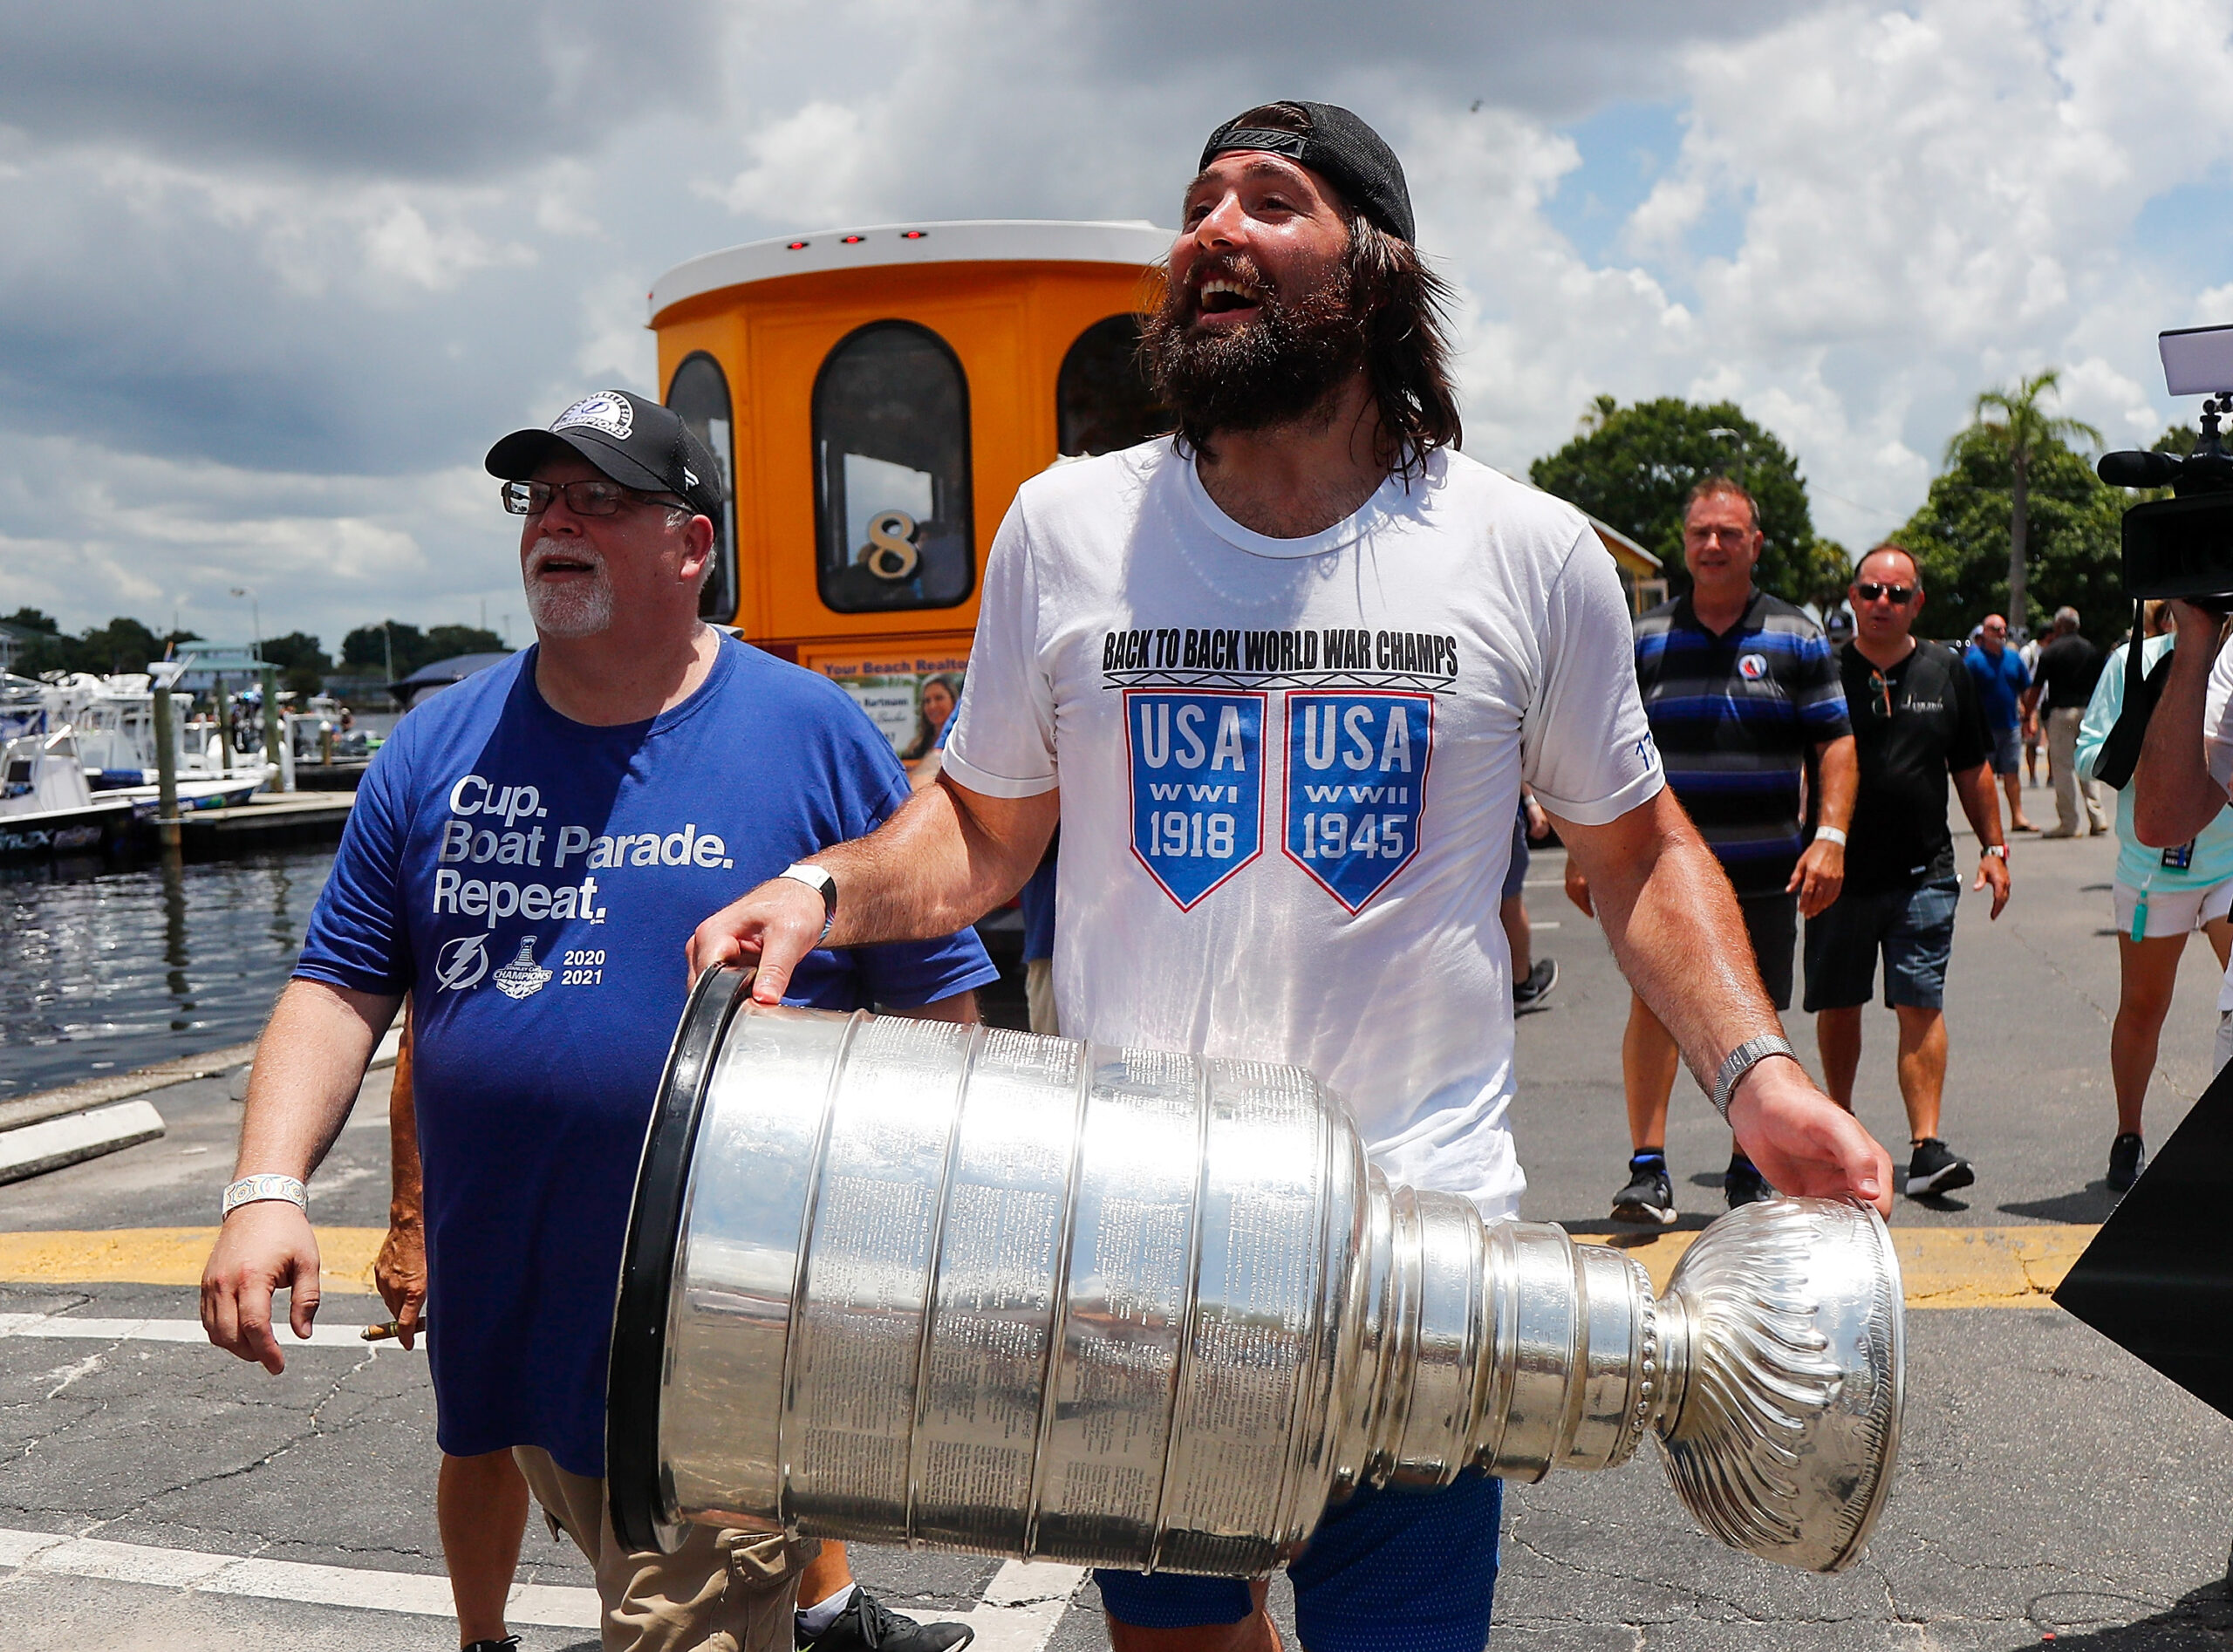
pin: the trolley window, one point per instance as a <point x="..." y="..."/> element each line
<point x="1103" y="402"/>
<point x="892" y="525"/>
<point x="699" y="392"/>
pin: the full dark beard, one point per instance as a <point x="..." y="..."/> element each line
<point x="1278" y="370"/>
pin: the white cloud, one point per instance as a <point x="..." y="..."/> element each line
<point x="260" y="318"/>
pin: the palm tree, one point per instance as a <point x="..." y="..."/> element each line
<point x="2023" y="429"/>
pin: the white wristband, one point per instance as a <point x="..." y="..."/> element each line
<point x="1829" y="834"/>
<point x="251" y="1189"/>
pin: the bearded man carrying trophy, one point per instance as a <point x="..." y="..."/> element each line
<point x="1280" y="680"/>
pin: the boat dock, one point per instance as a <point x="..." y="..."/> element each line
<point x="265" y="820"/>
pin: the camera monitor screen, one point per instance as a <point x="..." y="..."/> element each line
<point x="2197" y="361"/>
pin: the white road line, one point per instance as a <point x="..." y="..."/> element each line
<point x="1537" y="923"/>
<point x="33" y="1150"/>
<point x="182" y="1331"/>
<point x="541" y="1604"/>
<point x="1021" y="1605"/>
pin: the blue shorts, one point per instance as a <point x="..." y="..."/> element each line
<point x="2007" y="750"/>
<point x="1393" y="1568"/>
<point x="1515" y="875"/>
<point x="1913" y="927"/>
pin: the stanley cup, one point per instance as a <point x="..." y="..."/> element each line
<point x="908" y="1282"/>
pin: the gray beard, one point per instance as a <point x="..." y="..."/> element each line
<point x="569" y="611"/>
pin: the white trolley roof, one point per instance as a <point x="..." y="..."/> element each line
<point x="1131" y="241"/>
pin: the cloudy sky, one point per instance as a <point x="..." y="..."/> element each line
<point x="276" y="275"/>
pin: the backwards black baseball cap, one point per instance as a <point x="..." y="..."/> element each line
<point x="1338" y="146"/>
<point x="638" y="443"/>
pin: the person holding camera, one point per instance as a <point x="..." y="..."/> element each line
<point x="1915" y="721"/>
<point x="2162" y="896"/>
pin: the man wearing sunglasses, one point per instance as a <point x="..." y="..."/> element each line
<point x="1917" y="720"/>
<point x="527" y="857"/>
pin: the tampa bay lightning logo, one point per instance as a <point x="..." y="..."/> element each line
<point x="1197" y="786"/>
<point x="461" y="963"/>
<point x="1356" y="783"/>
<point x="607" y="410"/>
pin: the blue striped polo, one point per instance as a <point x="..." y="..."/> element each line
<point x="1734" y="716"/>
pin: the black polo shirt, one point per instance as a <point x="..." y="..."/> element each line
<point x="2068" y="668"/>
<point x="1913" y="726"/>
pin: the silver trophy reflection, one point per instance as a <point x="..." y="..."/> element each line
<point x="908" y="1282"/>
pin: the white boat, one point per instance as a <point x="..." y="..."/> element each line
<point x="46" y="805"/>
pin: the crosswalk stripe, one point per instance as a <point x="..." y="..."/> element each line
<point x="1020" y="1608"/>
<point x="94" y="1330"/>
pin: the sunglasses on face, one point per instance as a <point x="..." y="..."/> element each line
<point x="1899" y="595"/>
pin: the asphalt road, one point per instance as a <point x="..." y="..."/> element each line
<point x="2050" y="1486"/>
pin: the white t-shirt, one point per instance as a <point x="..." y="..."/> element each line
<point x="1289" y="769"/>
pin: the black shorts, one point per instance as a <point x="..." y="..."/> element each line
<point x="1772" y="924"/>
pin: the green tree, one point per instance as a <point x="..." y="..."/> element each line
<point x="303" y="663"/>
<point x="1633" y="467"/>
<point x="367" y="647"/>
<point x="2017" y="426"/>
<point x="1961" y="536"/>
<point x="446" y="642"/>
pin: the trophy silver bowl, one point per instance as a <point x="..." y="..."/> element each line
<point x="956" y="1287"/>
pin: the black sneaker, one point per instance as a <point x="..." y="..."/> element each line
<point x="1530" y="993"/>
<point x="867" y="1623"/>
<point x="1742" y="1183"/>
<point x="1648" y="1199"/>
<point x="1936" y="1168"/>
<point x="509" y="1643"/>
<point x="2127" y="1158"/>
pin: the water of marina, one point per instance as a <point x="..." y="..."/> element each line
<point x="105" y="967"/>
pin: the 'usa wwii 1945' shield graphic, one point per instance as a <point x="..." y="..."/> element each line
<point x="1356" y="780"/>
<point x="1198" y="786"/>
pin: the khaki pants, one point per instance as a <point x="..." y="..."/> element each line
<point x="2071" y="786"/>
<point x="723" y="1591"/>
<point x="1039" y="995"/>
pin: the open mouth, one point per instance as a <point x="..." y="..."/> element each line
<point x="1225" y="296"/>
<point x="562" y="565"/>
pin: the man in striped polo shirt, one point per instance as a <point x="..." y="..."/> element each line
<point x="1740" y="686"/>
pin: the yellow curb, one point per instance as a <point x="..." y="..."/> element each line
<point x="168" y="1256"/>
<point x="1941" y="1266"/>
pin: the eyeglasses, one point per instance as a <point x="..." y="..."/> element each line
<point x="582" y="498"/>
<point x="1868" y="591"/>
<point x="1709" y="535"/>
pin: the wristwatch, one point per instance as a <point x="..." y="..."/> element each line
<point x="1998" y="850"/>
<point x="1742" y="1060"/>
<point x="819" y="880"/>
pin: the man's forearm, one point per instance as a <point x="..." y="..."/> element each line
<point x="406" y="1199"/>
<point x="1677" y="930"/>
<point x="2174" y="796"/>
<point x="1980" y="803"/>
<point x="948" y="858"/>
<point x="1840" y="765"/>
<point x="309" y="1064"/>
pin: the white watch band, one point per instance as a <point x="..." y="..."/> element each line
<point x="1742" y="1060"/>
<point x="1829" y="834"/>
<point x="251" y="1189"/>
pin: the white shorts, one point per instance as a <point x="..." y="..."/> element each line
<point x="2173" y="912"/>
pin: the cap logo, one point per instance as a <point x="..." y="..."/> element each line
<point x="608" y="410"/>
<point x="689" y="476"/>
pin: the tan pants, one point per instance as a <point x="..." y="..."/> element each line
<point x="1039" y="995"/>
<point x="2071" y="786"/>
<point x="723" y="1591"/>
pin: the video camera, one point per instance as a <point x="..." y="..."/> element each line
<point x="2180" y="547"/>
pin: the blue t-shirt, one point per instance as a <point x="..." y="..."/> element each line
<point x="2001" y="683"/>
<point x="532" y="882"/>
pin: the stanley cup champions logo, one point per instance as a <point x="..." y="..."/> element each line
<point x="523" y="977"/>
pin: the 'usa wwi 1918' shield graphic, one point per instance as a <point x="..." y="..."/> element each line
<point x="1198" y="786"/>
<point x="1356" y="780"/>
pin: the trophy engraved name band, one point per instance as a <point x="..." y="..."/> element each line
<point x="958" y="1288"/>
